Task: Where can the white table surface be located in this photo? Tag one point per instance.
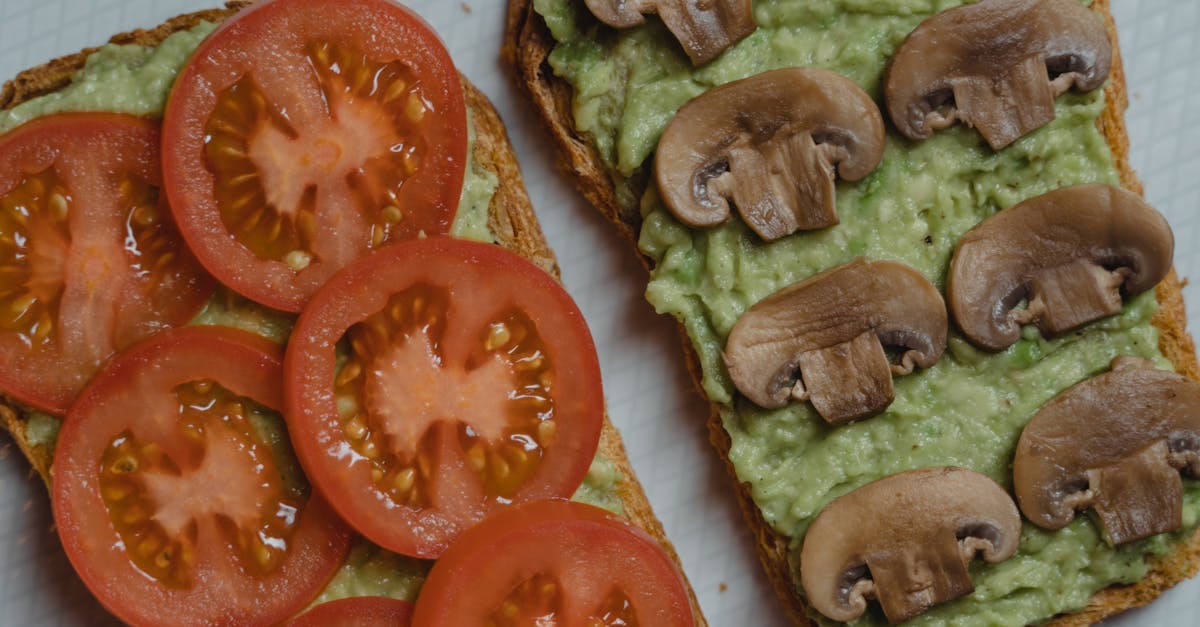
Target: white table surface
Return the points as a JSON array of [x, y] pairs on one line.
[[649, 391]]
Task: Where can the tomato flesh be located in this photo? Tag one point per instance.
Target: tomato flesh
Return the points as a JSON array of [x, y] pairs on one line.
[[303, 135], [90, 260], [170, 501], [395, 392], [156, 502], [465, 381], [554, 562]]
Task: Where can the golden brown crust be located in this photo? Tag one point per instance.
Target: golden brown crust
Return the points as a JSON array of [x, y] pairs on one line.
[[511, 220], [528, 45]]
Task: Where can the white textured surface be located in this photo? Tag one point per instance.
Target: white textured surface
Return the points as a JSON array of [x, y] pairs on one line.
[[650, 394]]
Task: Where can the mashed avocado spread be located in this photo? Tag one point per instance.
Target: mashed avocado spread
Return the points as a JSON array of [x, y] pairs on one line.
[[970, 408], [136, 79]]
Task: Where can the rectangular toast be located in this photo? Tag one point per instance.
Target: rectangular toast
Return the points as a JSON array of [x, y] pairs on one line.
[[528, 46], [510, 218]]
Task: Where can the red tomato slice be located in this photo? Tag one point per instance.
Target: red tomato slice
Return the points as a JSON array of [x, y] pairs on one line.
[[357, 612], [304, 133], [554, 562], [90, 260], [170, 502], [468, 380]]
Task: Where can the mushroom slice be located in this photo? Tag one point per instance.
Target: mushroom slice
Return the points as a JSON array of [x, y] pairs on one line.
[[996, 65], [822, 339], [906, 540], [770, 145], [1067, 253], [1115, 443], [705, 28]]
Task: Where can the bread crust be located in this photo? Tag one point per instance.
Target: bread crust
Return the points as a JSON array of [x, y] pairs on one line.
[[527, 46], [511, 220]]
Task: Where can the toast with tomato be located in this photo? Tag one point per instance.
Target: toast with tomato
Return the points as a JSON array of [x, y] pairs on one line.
[[605, 112], [172, 277]]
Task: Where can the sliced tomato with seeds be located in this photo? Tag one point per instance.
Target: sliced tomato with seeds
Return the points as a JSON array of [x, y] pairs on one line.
[[554, 563], [90, 260], [304, 133], [170, 500], [436, 380], [357, 612]]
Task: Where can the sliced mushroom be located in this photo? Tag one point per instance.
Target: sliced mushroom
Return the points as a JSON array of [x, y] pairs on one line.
[[822, 339], [705, 28], [1068, 253], [996, 65], [769, 145], [1115, 443], [906, 540]]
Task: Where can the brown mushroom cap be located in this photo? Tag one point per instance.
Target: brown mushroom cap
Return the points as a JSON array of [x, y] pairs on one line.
[[822, 339], [996, 65], [769, 145], [704, 28], [906, 541], [1067, 252], [1115, 443]]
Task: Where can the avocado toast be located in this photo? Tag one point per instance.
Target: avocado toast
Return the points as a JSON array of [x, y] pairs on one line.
[[495, 197], [614, 173]]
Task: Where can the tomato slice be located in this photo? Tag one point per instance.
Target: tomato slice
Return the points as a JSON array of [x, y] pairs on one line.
[[357, 612], [554, 563], [304, 133], [171, 501], [467, 380], [90, 260]]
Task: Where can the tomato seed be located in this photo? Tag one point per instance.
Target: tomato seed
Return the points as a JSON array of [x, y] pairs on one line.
[[405, 479], [392, 214], [398, 87], [298, 260], [346, 405], [414, 109], [546, 430], [58, 205], [498, 335], [145, 215], [163, 560], [124, 465], [477, 457], [262, 554], [532, 363], [355, 428], [149, 546]]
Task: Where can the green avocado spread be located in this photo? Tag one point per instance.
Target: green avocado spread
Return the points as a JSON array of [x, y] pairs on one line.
[[970, 408], [136, 79]]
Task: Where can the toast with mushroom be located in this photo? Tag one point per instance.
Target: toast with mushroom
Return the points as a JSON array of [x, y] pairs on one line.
[[510, 220], [617, 185]]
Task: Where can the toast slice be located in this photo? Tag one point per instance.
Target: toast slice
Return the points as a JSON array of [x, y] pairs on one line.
[[511, 221], [528, 44]]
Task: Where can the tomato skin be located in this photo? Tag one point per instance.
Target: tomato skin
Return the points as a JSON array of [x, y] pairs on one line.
[[246, 365], [357, 612], [481, 277], [582, 546], [106, 301], [276, 31]]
